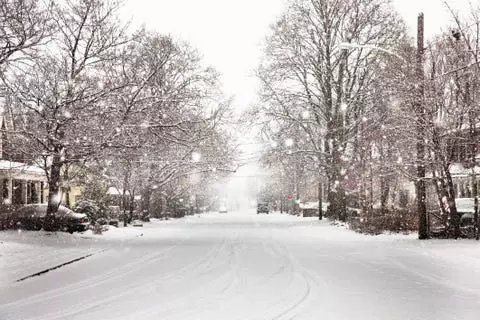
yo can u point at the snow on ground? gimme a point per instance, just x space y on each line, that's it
239 266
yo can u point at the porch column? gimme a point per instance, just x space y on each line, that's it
10 191
42 192
38 189
24 192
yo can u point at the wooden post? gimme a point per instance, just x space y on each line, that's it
421 121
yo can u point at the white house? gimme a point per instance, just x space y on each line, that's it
20 182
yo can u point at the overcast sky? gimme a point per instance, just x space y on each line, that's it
229 33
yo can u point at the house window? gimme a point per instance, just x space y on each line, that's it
403 198
17 192
5 188
462 191
42 192
32 193
468 191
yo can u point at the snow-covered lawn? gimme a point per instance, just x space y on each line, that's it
238 266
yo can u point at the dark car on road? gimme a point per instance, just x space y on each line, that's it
263 208
31 217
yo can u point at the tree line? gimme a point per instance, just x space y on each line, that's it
138 110
340 97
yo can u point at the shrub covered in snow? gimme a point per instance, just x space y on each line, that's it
394 221
91 209
7 220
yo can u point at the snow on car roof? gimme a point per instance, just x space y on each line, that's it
465 204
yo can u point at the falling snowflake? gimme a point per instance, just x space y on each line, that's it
196 157
289 142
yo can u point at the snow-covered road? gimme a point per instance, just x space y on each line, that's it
242 266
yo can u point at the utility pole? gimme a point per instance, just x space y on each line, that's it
320 202
421 121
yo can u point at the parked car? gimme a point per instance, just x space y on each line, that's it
263 208
31 217
222 209
137 223
466 210
114 222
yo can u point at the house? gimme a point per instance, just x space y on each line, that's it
20 182
115 198
310 208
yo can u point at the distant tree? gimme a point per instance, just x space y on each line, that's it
312 83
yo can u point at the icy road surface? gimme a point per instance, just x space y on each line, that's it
240 267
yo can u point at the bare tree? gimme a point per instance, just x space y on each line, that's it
62 97
24 25
306 72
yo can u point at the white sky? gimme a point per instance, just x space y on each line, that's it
229 33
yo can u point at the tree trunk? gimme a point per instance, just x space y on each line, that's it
66 178
320 191
454 217
124 200
131 204
440 194
385 191
145 206
53 193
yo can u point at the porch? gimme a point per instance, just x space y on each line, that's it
21 183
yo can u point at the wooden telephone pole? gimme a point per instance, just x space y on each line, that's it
420 126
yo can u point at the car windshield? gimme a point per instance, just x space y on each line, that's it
240 159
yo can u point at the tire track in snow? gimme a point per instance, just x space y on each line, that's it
131 289
284 273
183 305
300 272
433 279
112 274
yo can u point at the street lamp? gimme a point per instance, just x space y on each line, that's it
349 45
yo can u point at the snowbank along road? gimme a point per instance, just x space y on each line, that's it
238 267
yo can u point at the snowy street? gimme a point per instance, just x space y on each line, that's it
241 267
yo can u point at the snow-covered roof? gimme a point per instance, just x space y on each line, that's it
309 205
19 168
458 170
465 205
312 205
118 192
114 191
